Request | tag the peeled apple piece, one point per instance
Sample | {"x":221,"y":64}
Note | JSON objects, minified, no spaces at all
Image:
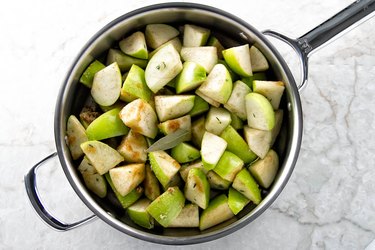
{"x":106,"y":85}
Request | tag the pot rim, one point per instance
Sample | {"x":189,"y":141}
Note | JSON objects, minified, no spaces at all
{"x":290,"y":157}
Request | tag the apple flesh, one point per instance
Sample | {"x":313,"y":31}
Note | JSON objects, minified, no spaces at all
{"x":265,"y":170}
{"x":258,"y":60}
{"x":169,"y":107}
{"x":188,"y":217}
{"x":200,"y":106}
{"x":216,"y":182}
{"x":197,"y":188}
{"x":141,"y":117}
{"x":128,"y":199}
{"x":133,"y":147}
{"x":126,"y":178}
{"x":163,"y":166}
{"x":184,"y":170}
{"x":106,"y":85}
{"x":238,"y":59}
{"x":101,"y":156}
{"x":106,"y":126}
{"x":205,"y":56}
{"x":158,"y":34}
{"x":75,"y":136}
{"x":197,"y":131}
{"x":173,"y":125}
{"x":272,"y":90}
{"x":135,"y":45}
{"x":213,"y":41}
{"x":217,"y":212}
{"x":218,"y":85}
{"x":93,"y":181}
{"x":236,"y":102}
{"x":212,"y":149}
{"x":151,"y":184}
{"x":195,"y":36}
{"x":217,"y":120}
{"x":175,"y":42}
{"x":260,"y":113}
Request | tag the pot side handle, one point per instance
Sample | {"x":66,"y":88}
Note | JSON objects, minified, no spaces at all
{"x":347,"y":19}
{"x":32,"y":192}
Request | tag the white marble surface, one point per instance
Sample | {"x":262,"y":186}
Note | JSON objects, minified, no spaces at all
{"x":329,"y":202}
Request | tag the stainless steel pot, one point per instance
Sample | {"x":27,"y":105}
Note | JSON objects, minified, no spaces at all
{"x":231,"y":30}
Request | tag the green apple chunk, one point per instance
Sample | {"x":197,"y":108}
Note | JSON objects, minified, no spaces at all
{"x":88,"y":75}
{"x":213,"y":41}
{"x":133,"y":147}
{"x":124,"y":61}
{"x":272,"y":90}
{"x":217,"y":212}
{"x":228,"y":166}
{"x":169,"y":107}
{"x":128,"y":199}
{"x":236,"y":200}
{"x":217,"y":120}
{"x":258,"y":60}
{"x":237,"y":145}
{"x":278,"y":123}
{"x":106,"y":126}
{"x":207,"y":99}
{"x":246,"y":185}
{"x":139,"y":215}
{"x":233,"y":75}
{"x":141,"y":117}
{"x":151,"y":184}
{"x":216,"y":182}
{"x":197,"y":188}
{"x":106,"y":85}
{"x":195,"y":36}
{"x":184,"y":170}
{"x":167,"y":206}
{"x":260,"y":114}
{"x":236,"y":123}
{"x":93,"y":181}
{"x":197,"y":131}
{"x":188,"y":217}
{"x":265,"y":170}
{"x":101,"y":156}
{"x":128,"y":177}
{"x":238,"y":59}
{"x":173,"y":125}
{"x":191,"y":77}
{"x":256,"y":76}
{"x":205,"y":56}
{"x":200,"y":106}
{"x":218,"y":85}
{"x":176,"y":181}
{"x":175,"y":42}
{"x":75,"y":136}
{"x":135,"y":85}
{"x":164,"y":166}
{"x":212,"y":149}
{"x":259,"y":141}
{"x":162,"y":68}
{"x":236,"y":101}
{"x":135,"y":45}
{"x":157,"y":34}
{"x":184,"y":153}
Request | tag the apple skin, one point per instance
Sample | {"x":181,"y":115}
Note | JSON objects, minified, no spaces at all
{"x":167,"y":206}
{"x":124,"y":61}
{"x":217,"y":211}
{"x":138,"y":214}
{"x":191,"y":77}
{"x":135,"y":45}
{"x":236,"y":200}
{"x":135,"y":85}
{"x":197,"y":188}
{"x":228,"y":166}
{"x":88,"y":75}
{"x":238,"y":59}
{"x":184,"y":153}
{"x":106,"y":126}
{"x":218,"y":85}
{"x":247,"y":186}
{"x":260,"y":113}
{"x":200,"y":106}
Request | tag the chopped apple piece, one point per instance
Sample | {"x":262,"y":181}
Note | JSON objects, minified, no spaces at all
{"x":163,"y":166}
{"x":139,"y":215}
{"x":265,"y":170}
{"x":217,"y":212}
{"x":75,"y":136}
{"x":236,"y":102}
{"x":135,"y":45}
{"x":260,"y":114}
{"x":212,"y":149}
{"x":246,"y":185}
{"x":258,"y":60}
{"x":169,"y":107}
{"x":158,"y":34}
{"x":217,"y":120}
{"x":205,"y":56}
{"x":133,"y":148}
{"x":238,"y":59}
{"x":195,"y":36}
{"x":128,"y":177}
{"x":272,"y":90}
{"x":197,"y":188}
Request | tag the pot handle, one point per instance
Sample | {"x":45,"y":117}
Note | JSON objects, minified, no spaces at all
{"x":348,"y":18}
{"x":32,"y":192}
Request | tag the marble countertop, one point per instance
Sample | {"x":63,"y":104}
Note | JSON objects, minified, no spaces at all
{"x":329,"y":202}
